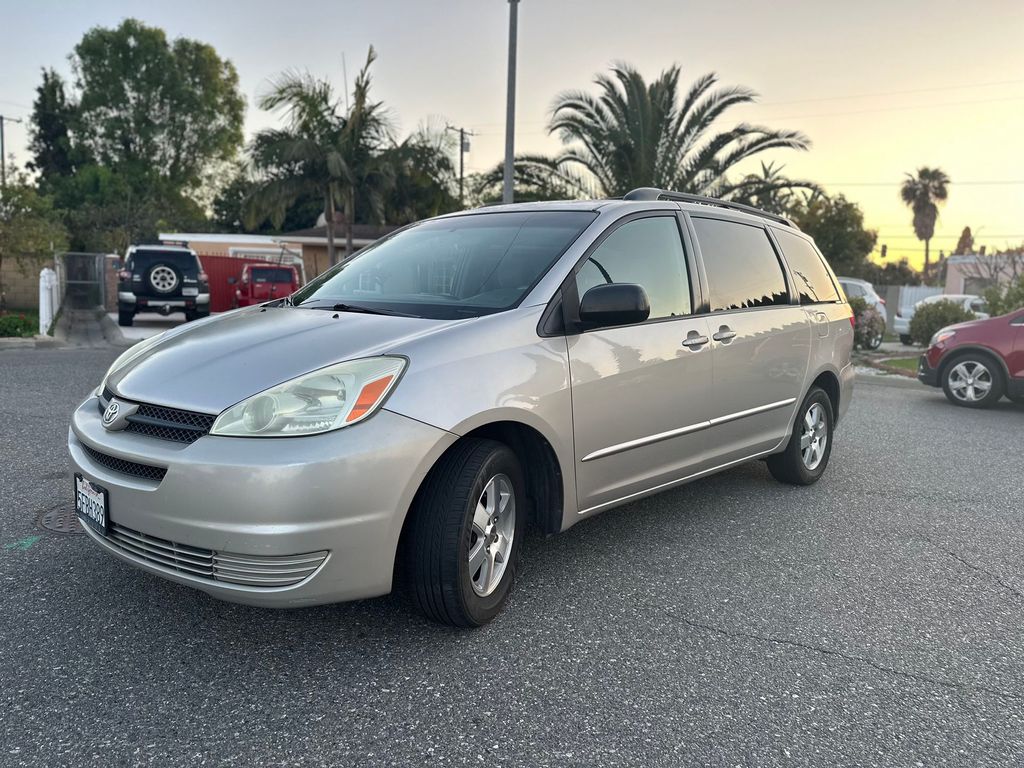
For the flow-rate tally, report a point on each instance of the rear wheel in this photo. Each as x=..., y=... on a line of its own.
x=466, y=531
x=875, y=341
x=973, y=381
x=810, y=446
x=906, y=341
x=125, y=317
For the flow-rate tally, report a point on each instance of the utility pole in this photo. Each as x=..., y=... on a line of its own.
x=463, y=149
x=3, y=151
x=510, y=109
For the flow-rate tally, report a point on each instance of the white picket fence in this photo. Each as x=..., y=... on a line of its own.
x=51, y=296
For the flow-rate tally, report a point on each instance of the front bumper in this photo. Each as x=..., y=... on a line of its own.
x=345, y=493
x=926, y=374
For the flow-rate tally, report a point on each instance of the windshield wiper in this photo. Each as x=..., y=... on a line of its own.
x=367, y=310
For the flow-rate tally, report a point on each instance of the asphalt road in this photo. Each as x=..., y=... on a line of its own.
x=874, y=619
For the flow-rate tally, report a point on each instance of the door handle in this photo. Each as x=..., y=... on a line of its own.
x=725, y=333
x=695, y=340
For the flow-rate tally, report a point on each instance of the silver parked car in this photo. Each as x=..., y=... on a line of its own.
x=969, y=301
x=854, y=287
x=415, y=408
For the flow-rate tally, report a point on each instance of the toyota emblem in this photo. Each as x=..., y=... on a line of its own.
x=111, y=413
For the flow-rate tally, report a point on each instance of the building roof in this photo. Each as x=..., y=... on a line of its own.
x=362, y=234
x=210, y=237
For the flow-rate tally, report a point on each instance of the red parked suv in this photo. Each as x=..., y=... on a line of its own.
x=977, y=362
x=260, y=283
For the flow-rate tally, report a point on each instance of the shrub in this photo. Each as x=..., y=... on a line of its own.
x=1005, y=298
x=18, y=325
x=928, y=318
x=868, y=323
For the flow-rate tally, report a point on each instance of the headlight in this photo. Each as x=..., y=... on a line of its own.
x=320, y=401
x=940, y=336
x=127, y=356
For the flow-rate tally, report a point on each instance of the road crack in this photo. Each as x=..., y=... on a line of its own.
x=975, y=567
x=849, y=657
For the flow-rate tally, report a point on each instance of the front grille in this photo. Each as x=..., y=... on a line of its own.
x=170, y=423
x=164, y=423
x=114, y=464
x=246, y=570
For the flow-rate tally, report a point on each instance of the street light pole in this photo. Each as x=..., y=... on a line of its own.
x=463, y=149
x=510, y=109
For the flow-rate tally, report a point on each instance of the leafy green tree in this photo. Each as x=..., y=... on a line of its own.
x=50, y=127
x=30, y=230
x=228, y=206
x=163, y=108
x=324, y=149
x=636, y=134
x=837, y=226
x=922, y=194
x=537, y=178
x=933, y=316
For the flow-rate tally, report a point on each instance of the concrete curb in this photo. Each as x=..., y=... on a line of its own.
x=112, y=332
x=32, y=342
x=891, y=380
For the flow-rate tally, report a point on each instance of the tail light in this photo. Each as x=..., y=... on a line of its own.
x=203, y=277
x=853, y=321
x=124, y=274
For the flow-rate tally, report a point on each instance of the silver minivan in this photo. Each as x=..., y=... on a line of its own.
x=411, y=411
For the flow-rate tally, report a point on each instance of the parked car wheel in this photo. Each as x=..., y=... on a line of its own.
x=125, y=317
x=875, y=341
x=810, y=446
x=467, y=527
x=973, y=380
x=906, y=340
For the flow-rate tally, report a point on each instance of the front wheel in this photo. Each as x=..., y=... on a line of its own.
x=810, y=446
x=125, y=318
x=973, y=381
x=467, y=527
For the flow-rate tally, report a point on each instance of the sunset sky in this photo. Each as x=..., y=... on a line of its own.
x=880, y=87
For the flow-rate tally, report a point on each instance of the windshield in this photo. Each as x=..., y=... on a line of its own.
x=463, y=266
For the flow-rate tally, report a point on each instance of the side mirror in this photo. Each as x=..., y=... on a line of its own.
x=614, y=304
x=232, y=280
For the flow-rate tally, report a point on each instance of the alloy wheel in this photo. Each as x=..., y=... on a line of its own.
x=813, y=436
x=491, y=535
x=970, y=381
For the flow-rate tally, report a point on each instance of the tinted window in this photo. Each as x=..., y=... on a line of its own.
x=743, y=270
x=145, y=258
x=647, y=252
x=271, y=275
x=462, y=266
x=810, y=278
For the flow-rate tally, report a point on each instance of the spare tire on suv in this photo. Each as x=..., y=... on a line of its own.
x=164, y=279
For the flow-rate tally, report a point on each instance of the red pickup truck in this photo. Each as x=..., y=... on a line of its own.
x=259, y=283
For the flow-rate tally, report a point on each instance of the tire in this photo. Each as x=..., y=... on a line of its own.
x=795, y=467
x=164, y=279
x=875, y=342
x=125, y=317
x=906, y=341
x=443, y=533
x=190, y=316
x=966, y=376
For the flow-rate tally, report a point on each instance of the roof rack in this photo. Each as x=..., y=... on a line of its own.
x=653, y=193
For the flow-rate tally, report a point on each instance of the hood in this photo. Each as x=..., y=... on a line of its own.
x=213, y=364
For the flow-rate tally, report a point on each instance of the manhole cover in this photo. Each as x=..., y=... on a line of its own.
x=60, y=520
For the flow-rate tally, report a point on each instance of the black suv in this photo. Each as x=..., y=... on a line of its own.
x=164, y=279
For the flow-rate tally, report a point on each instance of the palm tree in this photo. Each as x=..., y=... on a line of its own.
x=635, y=134
x=771, y=190
x=325, y=149
x=922, y=194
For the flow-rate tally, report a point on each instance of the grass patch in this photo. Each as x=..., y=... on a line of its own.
x=906, y=363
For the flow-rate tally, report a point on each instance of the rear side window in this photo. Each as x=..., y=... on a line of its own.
x=648, y=252
x=271, y=275
x=810, y=278
x=743, y=270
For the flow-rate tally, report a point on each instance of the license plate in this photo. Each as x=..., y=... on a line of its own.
x=189, y=291
x=91, y=503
